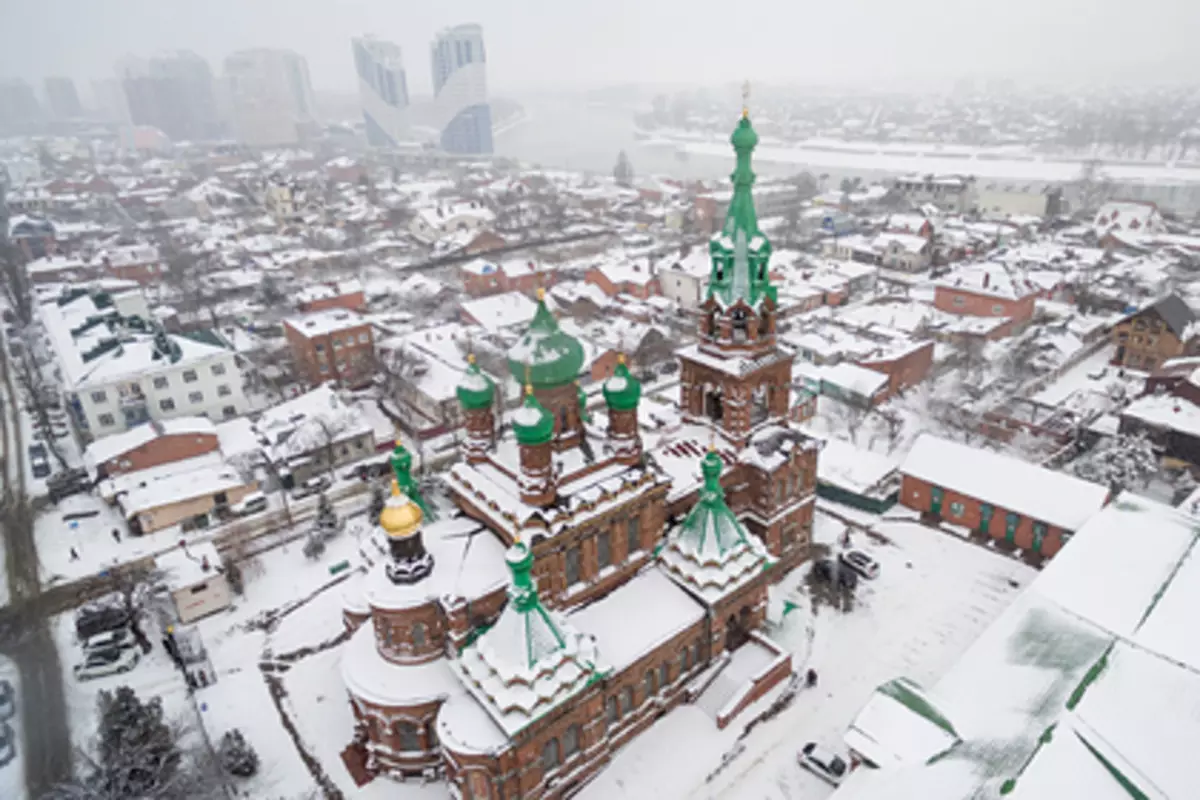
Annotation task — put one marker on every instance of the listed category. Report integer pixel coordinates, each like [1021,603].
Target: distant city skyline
[534,44]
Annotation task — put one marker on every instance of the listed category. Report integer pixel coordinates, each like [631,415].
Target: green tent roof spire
[740,252]
[401,462]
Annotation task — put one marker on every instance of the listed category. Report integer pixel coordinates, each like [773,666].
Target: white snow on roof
[330,320]
[1009,483]
[500,311]
[1166,411]
[858,380]
[110,447]
[185,565]
[311,421]
[369,675]
[178,487]
[844,465]
[624,631]
[989,278]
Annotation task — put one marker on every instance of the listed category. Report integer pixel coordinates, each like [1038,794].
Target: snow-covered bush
[327,523]
[237,756]
[314,547]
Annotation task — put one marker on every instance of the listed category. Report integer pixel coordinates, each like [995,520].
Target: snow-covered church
[588,586]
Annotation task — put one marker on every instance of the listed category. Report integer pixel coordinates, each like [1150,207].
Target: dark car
[101,616]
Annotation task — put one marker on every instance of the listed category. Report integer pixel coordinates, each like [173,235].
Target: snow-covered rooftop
[1052,497]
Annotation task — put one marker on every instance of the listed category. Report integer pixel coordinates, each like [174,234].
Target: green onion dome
[475,391]
[622,391]
[545,356]
[532,422]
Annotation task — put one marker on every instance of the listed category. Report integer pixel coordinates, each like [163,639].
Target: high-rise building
[173,92]
[460,90]
[62,98]
[19,107]
[271,95]
[382,90]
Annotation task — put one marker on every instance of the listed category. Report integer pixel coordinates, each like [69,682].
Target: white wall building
[271,96]
[117,372]
[382,90]
[683,280]
[196,579]
[954,193]
[431,224]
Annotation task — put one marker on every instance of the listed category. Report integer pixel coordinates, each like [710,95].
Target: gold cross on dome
[746,99]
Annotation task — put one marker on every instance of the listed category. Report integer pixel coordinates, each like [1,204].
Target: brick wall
[164,449]
[968,303]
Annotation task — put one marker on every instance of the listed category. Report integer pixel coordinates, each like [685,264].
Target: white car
[107,662]
[250,504]
[825,764]
[310,487]
[109,640]
[861,563]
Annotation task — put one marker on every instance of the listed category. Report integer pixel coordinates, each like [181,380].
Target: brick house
[1013,502]
[1172,422]
[636,280]
[152,444]
[905,368]
[334,294]
[485,241]
[482,277]
[334,344]
[988,290]
[1147,338]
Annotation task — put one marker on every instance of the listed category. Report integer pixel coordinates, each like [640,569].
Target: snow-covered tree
[327,524]
[623,171]
[237,756]
[138,755]
[314,547]
[1119,462]
[378,500]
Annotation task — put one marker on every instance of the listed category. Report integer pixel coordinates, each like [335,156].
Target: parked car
[8,700]
[107,662]
[861,563]
[831,571]
[1098,373]
[116,639]
[8,743]
[311,486]
[825,764]
[250,504]
[100,615]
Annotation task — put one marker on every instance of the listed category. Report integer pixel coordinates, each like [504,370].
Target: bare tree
[893,425]
[37,391]
[851,419]
[16,279]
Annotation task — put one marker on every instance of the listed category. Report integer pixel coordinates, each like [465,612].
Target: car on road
[8,743]
[861,563]
[311,486]
[107,662]
[250,504]
[8,700]
[825,764]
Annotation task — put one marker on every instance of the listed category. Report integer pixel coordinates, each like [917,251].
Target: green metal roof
[710,525]
[476,390]
[544,356]
[622,391]
[740,252]
[402,468]
[532,423]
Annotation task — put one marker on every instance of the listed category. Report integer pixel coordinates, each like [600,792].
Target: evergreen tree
[378,500]
[237,756]
[327,524]
[137,753]
[623,172]
[1119,462]
[314,547]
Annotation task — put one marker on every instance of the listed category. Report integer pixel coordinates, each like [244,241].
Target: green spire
[545,356]
[711,526]
[475,391]
[532,422]
[402,468]
[740,252]
[536,621]
[622,391]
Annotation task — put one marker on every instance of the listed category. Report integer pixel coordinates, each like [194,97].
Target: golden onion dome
[401,516]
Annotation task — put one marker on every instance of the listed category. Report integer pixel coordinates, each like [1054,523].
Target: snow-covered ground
[85,522]
[12,775]
[1076,379]
[934,595]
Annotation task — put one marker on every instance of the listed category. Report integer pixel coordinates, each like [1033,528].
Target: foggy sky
[534,44]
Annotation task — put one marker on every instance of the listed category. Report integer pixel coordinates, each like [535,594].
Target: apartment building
[335,344]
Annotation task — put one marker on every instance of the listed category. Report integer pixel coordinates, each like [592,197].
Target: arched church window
[550,755]
[406,732]
[418,634]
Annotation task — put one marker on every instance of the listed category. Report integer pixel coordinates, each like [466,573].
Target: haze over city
[536,44]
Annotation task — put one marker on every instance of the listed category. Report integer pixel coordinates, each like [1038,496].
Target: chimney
[987,279]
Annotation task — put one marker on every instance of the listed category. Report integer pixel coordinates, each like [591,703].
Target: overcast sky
[567,43]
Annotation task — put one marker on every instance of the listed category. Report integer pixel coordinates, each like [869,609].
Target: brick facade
[346,355]
[164,449]
[964,302]
[1144,341]
[904,371]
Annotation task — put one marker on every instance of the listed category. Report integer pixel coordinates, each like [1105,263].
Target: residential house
[431,224]
[481,277]
[346,294]
[988,290]
[683,279]
[953,193]
[1172,422]
[1128,216]
[624,278]
[332,345]
[314,433]
[1152,335]
[196,580]
[995,496]
[149,445]
[190,499]
[905,365]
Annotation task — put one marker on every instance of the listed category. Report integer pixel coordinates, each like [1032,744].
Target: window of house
[350,340]
[166,404]
[363,338]
[196,397]
[324,368]
[633,532]
[406,732]
[99,397]
[358,445]
[160,382]
[611,712]
[343,450]
[550,755]
[997,309]
[218,369]
[685,660]
[189,376]
[224,391]
[603,549]
[571,741]
[337,344]
[418,634]
[648,683]
[573,565]
[664,675]
[320,348]
[627,700]
[229,411]
[957,509]
[959,300]
[107,420]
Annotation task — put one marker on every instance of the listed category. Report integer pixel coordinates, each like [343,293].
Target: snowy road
[913,621]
